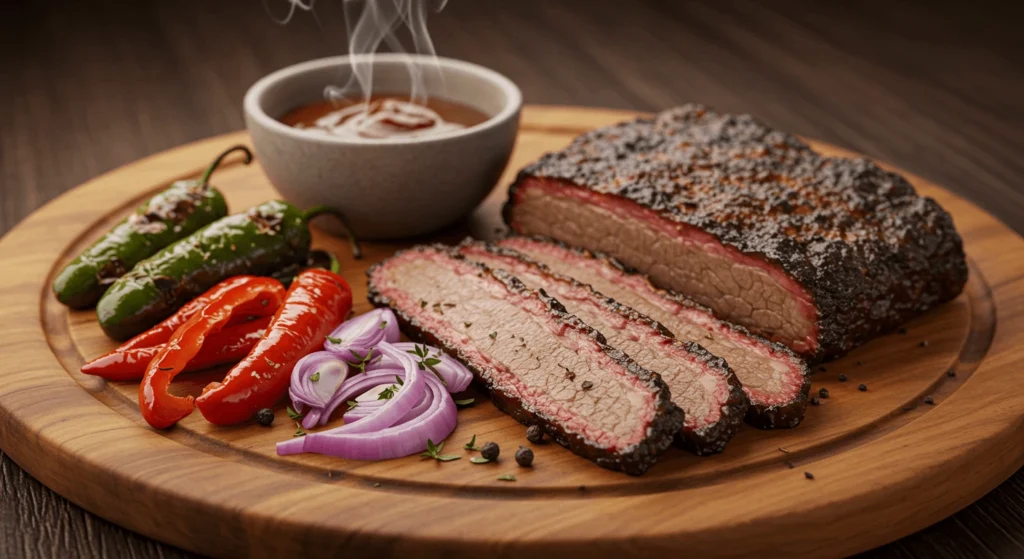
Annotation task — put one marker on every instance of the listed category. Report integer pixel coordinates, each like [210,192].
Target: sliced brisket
[542,365]
[773,377]
[700,383]
[818,253]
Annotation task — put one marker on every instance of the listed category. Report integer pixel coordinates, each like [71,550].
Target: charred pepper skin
[258,242]
[180,210]
[170,215]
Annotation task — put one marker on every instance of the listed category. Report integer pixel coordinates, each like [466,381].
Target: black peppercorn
[524,457]
[534,434]
[929,400]
[808,475]
[842,377]
[587,385]
[863,388]
[490,451]
[265,417]
[815,401]
[823,392]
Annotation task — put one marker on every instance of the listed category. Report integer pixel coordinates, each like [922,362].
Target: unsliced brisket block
[773,377]
[542,365]
[818,253]
[701,383]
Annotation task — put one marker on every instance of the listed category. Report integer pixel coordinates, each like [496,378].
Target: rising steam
[372,22]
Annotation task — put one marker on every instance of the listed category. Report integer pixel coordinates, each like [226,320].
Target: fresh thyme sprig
[363,360]
[427,361]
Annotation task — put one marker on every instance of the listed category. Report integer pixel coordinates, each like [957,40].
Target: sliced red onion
[409,437]
[356,337]
[350,389]
[393,409]
[455,375]
[315,379]
[368,407]
[404,400]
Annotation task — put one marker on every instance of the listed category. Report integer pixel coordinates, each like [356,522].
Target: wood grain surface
[934,88]
[880,458]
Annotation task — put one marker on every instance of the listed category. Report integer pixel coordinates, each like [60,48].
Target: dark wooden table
[87,86]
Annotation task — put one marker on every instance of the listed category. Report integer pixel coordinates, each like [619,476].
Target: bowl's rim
[252,102]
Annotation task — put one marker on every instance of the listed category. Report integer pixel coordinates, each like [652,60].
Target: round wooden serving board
[884,463]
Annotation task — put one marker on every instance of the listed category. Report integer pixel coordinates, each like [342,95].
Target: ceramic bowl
[390,188]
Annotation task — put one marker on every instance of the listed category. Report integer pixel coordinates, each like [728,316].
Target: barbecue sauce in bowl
[383,117]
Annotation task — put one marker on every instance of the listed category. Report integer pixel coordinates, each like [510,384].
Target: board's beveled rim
[309,517]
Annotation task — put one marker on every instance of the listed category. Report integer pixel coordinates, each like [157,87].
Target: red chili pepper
[161,409]
[227,346]
[317,302]
[160,333]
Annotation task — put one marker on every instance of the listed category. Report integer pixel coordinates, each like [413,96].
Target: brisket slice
[818,253]
[774,379]
[541,365]
[700,383]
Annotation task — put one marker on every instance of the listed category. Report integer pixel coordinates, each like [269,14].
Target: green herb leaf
[493,335]
[388,393]
[352,404]
[466,402]
[507,477]
[400,381]
[434,451]
[315,377]
[299,432]
[292,414]
[363,360]
[382,325]
[479,460]
[427,362]
[471,445]
[334,340]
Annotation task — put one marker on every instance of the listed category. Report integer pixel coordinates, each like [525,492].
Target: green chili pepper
[180,210]
[261,241]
